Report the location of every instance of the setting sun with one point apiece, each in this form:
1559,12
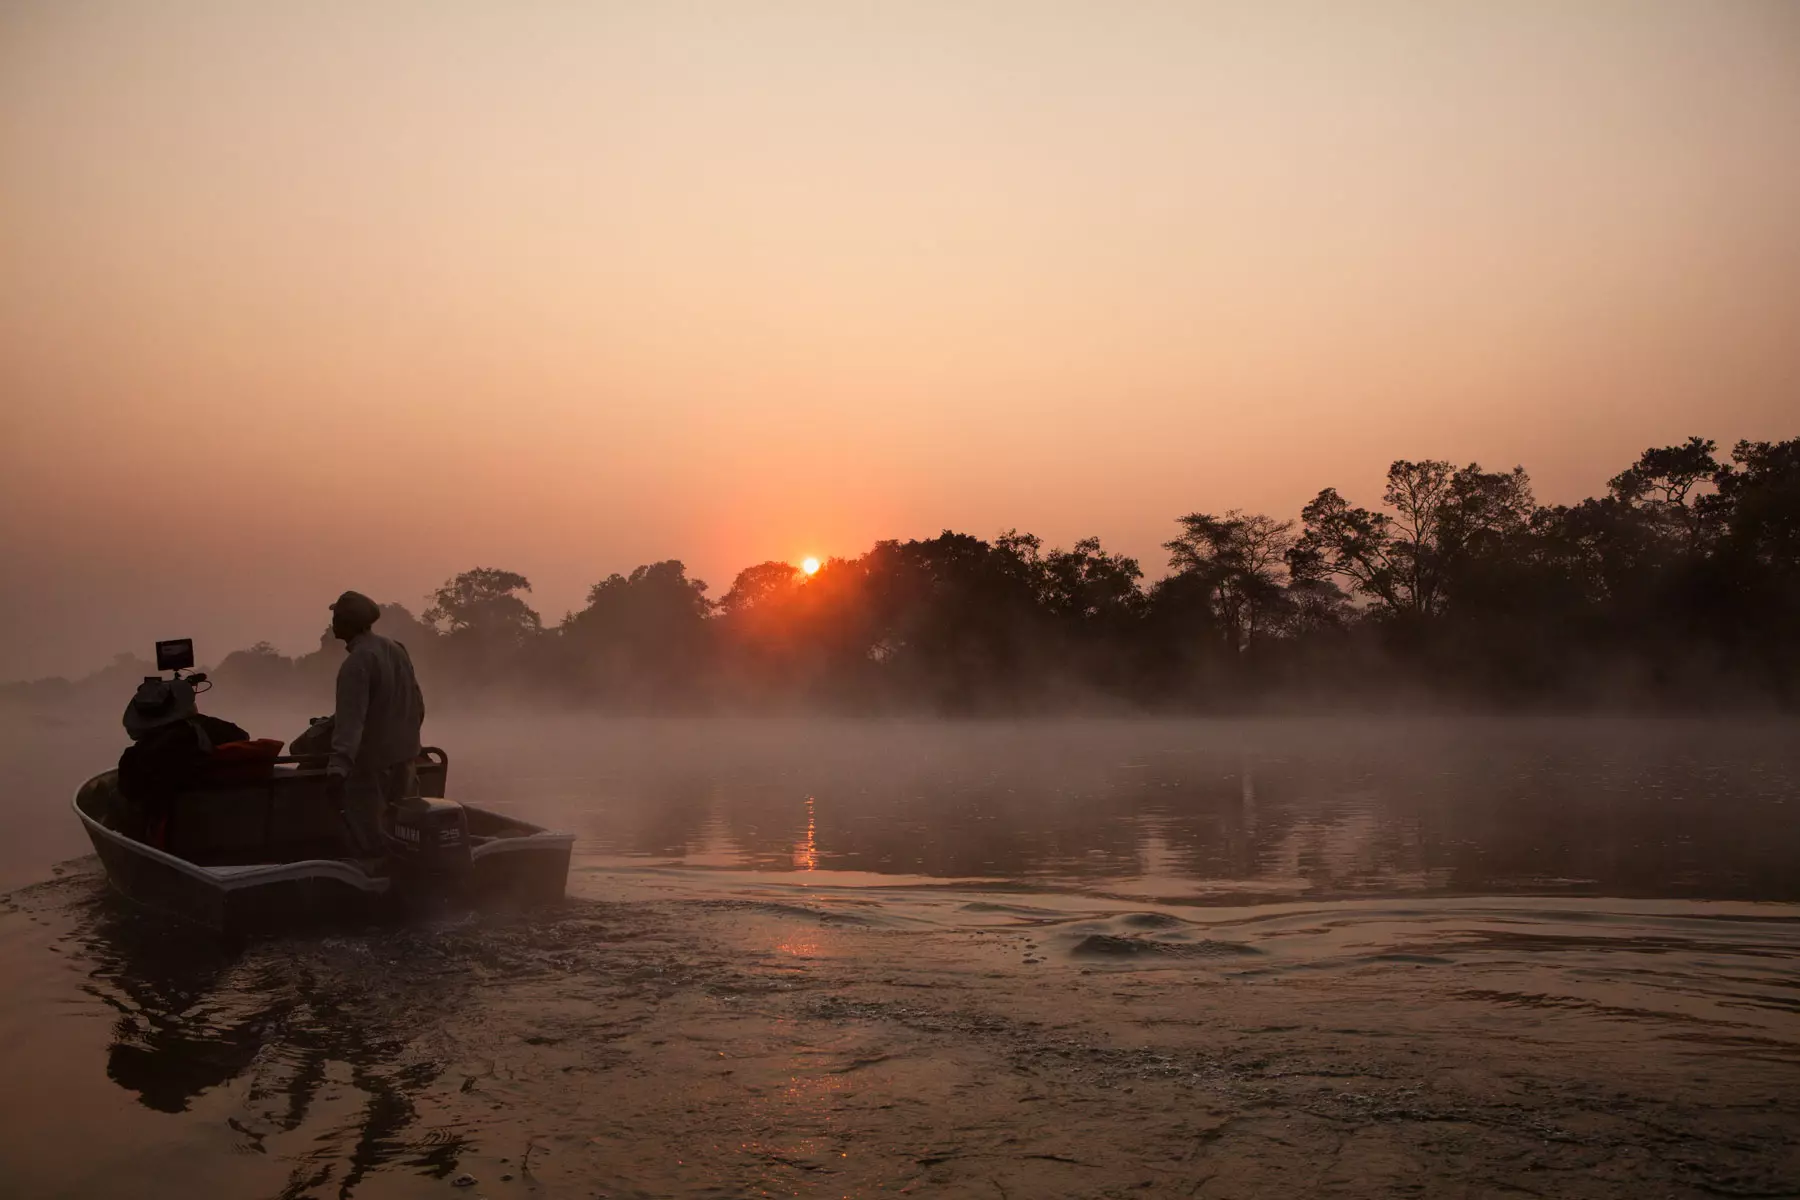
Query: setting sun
810,565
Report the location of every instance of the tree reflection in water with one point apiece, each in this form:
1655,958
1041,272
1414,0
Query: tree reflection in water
1680,809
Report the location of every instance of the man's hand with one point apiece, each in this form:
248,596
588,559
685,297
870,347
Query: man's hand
334,788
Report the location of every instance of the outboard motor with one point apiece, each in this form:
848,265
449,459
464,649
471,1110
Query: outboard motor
430,850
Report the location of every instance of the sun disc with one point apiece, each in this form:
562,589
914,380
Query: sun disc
809,565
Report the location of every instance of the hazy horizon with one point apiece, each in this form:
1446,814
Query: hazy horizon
333,296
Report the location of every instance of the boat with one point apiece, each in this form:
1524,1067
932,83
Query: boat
268,853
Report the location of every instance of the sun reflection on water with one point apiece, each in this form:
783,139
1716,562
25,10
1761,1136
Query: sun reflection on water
806,853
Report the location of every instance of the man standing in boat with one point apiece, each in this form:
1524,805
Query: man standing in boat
375,730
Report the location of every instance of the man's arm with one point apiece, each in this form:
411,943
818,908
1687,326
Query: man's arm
352,713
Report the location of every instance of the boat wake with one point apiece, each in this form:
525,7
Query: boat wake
684,1033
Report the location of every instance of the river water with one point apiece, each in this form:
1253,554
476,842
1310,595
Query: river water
1614,893
1196,811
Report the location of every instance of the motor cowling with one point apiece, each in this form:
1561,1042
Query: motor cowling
430,841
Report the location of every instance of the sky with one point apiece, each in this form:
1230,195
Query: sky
303,297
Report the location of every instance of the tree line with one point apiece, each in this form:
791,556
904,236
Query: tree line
1678,588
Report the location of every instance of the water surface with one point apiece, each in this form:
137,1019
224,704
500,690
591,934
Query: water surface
1206,811
830,957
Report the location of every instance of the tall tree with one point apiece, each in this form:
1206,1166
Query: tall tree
1404,560
1088,585
1662,485
1240,560
484,604
641,634
765,584
1758,501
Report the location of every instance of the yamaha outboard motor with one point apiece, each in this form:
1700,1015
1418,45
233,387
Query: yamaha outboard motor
429,851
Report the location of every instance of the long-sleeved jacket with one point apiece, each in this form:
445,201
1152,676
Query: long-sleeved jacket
379,707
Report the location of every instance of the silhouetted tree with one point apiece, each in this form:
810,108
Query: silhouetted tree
1754,576
955,619
1240,560
1089,586
1678,586
760,586
484,603
1661,482
260,668
397,622
489,632
1758,503
641,636
1403,562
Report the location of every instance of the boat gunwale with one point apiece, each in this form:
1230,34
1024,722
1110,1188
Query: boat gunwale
249,875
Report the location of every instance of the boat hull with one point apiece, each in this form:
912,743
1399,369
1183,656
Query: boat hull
519,865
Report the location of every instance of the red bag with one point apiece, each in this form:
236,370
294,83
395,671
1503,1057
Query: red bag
245,762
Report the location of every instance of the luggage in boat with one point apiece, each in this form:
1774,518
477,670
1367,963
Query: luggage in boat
316,740
243,761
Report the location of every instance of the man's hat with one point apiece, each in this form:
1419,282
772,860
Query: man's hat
158,702
356,608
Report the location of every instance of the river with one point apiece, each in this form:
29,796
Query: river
842,957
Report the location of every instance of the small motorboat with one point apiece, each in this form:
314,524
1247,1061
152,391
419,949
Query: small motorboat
256,843
270,853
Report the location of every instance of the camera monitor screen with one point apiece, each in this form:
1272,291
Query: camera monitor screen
176,655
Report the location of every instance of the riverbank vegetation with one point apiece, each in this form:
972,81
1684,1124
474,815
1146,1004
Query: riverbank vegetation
1679,588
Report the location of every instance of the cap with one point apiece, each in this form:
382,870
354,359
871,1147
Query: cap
357,608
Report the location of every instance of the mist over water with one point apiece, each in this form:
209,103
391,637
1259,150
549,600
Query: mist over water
1190,811
1204,811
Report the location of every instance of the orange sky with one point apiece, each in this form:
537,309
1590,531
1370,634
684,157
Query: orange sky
302,297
